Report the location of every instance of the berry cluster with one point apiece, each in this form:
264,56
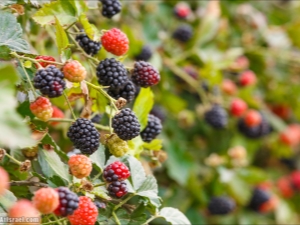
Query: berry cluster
115,174
89,46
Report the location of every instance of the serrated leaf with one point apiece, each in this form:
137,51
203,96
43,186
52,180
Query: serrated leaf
90,29
149,189
62,40
101,192
5,52
49,140
143,105
52,165
11,35
137,172
98,158
155,144
174,216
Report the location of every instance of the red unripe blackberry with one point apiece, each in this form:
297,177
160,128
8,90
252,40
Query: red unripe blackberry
116,171
46,58
57,113
42,108
46,200
110,7
221,205
183,33
80,166
241,63
117,189
144,74
238,107
86,214
228,87
247,78
295,179
84,136
4,177
291,135
216,117
127,92
182,10
252,118
23,208
152,129
283,111
115,42
50,81
285,187
89,46
145,54
126,124
68,202
112,73
74,71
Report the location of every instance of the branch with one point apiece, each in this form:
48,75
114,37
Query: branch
27,183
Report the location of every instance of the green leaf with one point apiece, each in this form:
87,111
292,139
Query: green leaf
174,216
52,165
7,199
136,146
155,144
98,158
5,52
90,29
80,6
138,175
101,192
11,35
15,133
48,140
143,105
149,189
62,40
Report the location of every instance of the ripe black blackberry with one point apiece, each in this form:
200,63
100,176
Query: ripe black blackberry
68,202
183,33
152,129
100,205
144,74
89,46
159,112
117,189
128,92
216,117
220,205
126,124
145,54
84,136
255,132
259,197
112,73
110,7
50,81
97,118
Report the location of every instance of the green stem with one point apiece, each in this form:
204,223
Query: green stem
69,105
36,61
97,176
123,202
13,159
29,81
99,185
110,119
150,219
57,221
116,218
54,222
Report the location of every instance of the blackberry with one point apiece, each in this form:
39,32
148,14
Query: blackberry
68,202
128,92
84,136
216,117
116,171
110,7
152,129
183,33
100,205
117,189
220,205
255,132
111,72
145,54
50,81
97,118
89,46
144,74
126,124
159,112
259,197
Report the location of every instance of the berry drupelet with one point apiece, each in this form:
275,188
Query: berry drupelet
126,124
50,81
84,136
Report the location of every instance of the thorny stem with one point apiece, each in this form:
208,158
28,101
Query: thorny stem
69,105
29,81
100,89
116,218
13,159
36,61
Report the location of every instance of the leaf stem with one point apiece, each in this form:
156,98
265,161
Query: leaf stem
100,184
69,105
13,159
150,219
36,61
123,202
54,222
116,218
29,81
27,183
